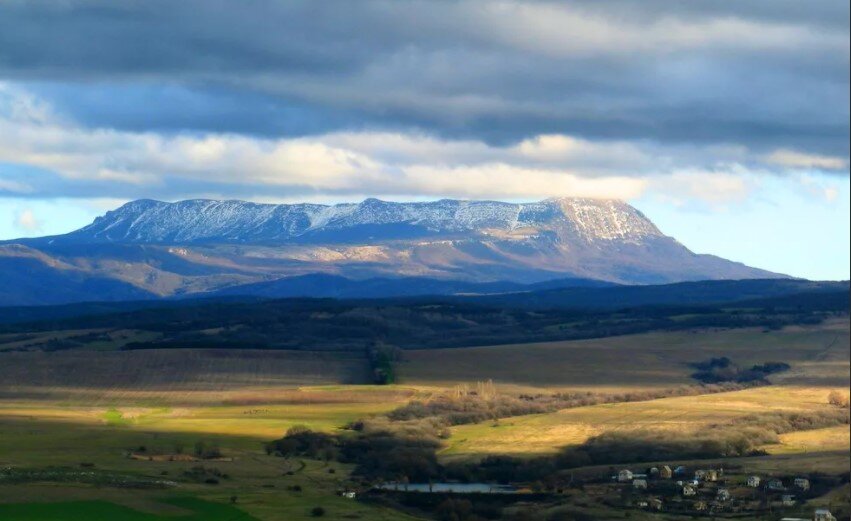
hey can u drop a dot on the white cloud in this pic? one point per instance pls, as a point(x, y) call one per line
point(563, 30)
point(15, 186)
point(26, 221)
point(795, 159)
point(384, 164)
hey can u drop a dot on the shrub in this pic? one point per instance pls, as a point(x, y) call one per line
point(301, 441)
point(838, 399)
point(317, 512)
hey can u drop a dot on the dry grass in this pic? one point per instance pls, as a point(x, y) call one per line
point(172, 376)
point(819, 356)
point(546, 433)
point(817, 440)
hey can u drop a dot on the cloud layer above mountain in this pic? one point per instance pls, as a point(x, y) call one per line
point(469, 98)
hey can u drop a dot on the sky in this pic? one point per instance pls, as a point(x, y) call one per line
point(726, 123)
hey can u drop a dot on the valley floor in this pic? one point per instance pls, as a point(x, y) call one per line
point(97, 434)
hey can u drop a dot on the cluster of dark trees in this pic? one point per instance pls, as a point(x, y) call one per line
point(722, 369)
point(382, 359)
point(428, 322)
point(377, 454)
point(301, 441)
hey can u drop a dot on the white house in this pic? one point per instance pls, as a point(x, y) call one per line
point(753, 481)
point(802, 483)
point(625, 475)
point(689, 490)
point(823, 514)
point(775, 484)
point(722, 495)
point(639, 484)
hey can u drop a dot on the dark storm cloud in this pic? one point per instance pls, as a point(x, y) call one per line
point(764, 74)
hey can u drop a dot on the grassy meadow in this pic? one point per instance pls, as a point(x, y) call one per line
point(819, 357)
point(139, 414)
point(540, 434)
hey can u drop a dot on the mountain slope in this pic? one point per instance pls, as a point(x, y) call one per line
point(202, 246)
point(701, 293)
point(28, 277)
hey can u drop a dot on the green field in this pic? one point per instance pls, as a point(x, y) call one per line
point(189, 509)
point(73, 412)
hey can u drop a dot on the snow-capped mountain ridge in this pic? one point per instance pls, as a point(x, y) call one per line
point(201, 220)
point(202, 246)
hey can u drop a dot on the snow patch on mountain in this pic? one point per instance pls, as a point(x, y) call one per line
point(147, 221)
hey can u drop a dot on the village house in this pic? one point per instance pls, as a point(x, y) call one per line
point(625, 475)
point(699, 474)
point(689, 490)
point(722, 495)
point(640, 484)
point(712, 475)
point(641, 503)
point(653, 472)
point(753, 481)
point(700, 506)
point(665, 472)
point(823, 514)
point(788, 500)
point(802, 483)
point(349, 494)
point(774, 484)
point(656, 504)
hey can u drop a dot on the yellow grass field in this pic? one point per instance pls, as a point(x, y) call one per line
point(682, 416)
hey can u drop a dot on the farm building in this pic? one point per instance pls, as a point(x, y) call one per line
point(625, 475)
point(802, 483)
point(665, 472)
point(823, 514)
point(689, 490)
point(753, 481)
point(774, 484)
point(640, 484)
